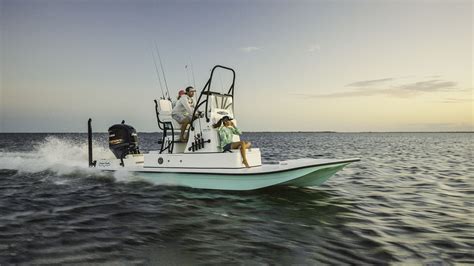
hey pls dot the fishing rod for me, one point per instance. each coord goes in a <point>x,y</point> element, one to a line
<point>187,74</point>
<point>192,71</point>
<point>162,70</point>
<point>158,75</point>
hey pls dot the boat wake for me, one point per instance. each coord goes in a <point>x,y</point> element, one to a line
<point>59,155</point>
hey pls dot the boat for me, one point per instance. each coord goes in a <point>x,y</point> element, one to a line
<point>199,162</point>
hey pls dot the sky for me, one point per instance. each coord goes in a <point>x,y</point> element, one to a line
<point>346,66</point>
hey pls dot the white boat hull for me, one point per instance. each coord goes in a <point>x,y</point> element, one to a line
<point>298,173</point>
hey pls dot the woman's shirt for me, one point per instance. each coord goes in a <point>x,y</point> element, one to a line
<point>226,134</point>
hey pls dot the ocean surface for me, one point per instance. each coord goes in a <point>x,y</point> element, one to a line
<point>410,201</point>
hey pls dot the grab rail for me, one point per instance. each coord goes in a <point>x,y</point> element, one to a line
<point>207,91</point>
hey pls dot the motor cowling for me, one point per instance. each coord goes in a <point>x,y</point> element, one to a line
<point>123,140</point>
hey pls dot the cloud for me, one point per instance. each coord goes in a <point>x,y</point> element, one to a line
<point>358,93</point>
<point>250,49</point>
<point>429,85</point>
<point>373,87</point>
<point>457,100</point>
<point>365,83</point>
<point>314,48</point>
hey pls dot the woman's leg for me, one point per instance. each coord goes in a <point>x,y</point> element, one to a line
<point>243,145</point>
<point>236,145</point>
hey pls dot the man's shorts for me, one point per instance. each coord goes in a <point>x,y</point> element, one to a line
<point>180,117</point>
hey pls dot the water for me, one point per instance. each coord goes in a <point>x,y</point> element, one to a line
<point>409,201</point>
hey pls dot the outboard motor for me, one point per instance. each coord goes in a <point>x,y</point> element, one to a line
<point>123,140</point>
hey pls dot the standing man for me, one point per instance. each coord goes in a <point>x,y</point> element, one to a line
<point>183,111</point>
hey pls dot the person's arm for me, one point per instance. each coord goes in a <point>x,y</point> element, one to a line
<point>235,130</point>
<point>222,136</point>
<point>177,107</point>
<point>186,105</point>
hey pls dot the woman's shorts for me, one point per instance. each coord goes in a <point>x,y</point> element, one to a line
<point>227,147</point>
<point>180,117</point>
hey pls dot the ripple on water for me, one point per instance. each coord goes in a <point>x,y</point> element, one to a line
<point>409,201</point>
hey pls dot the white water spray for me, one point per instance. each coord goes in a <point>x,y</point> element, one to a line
<point>59,155</point>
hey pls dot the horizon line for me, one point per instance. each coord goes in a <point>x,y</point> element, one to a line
<point>298,131</point>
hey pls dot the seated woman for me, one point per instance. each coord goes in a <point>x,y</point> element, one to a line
<point>226,131</point>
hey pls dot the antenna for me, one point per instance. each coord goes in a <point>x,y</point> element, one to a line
<point>162,70</point>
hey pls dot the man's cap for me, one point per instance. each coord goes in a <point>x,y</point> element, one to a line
<point>190,88</point>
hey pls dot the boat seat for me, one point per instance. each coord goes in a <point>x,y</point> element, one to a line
<point>165,107</point>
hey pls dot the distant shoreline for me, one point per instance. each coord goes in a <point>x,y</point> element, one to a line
<point>297,132</point>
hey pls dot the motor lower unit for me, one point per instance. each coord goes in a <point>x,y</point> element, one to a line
<point>123,140</point>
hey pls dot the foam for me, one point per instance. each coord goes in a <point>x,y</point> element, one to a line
<point>59,155</point>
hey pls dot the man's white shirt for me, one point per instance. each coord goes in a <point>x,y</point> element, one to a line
<point>184,106</point>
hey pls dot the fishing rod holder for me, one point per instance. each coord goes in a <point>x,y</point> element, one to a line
<point>198,144</point>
